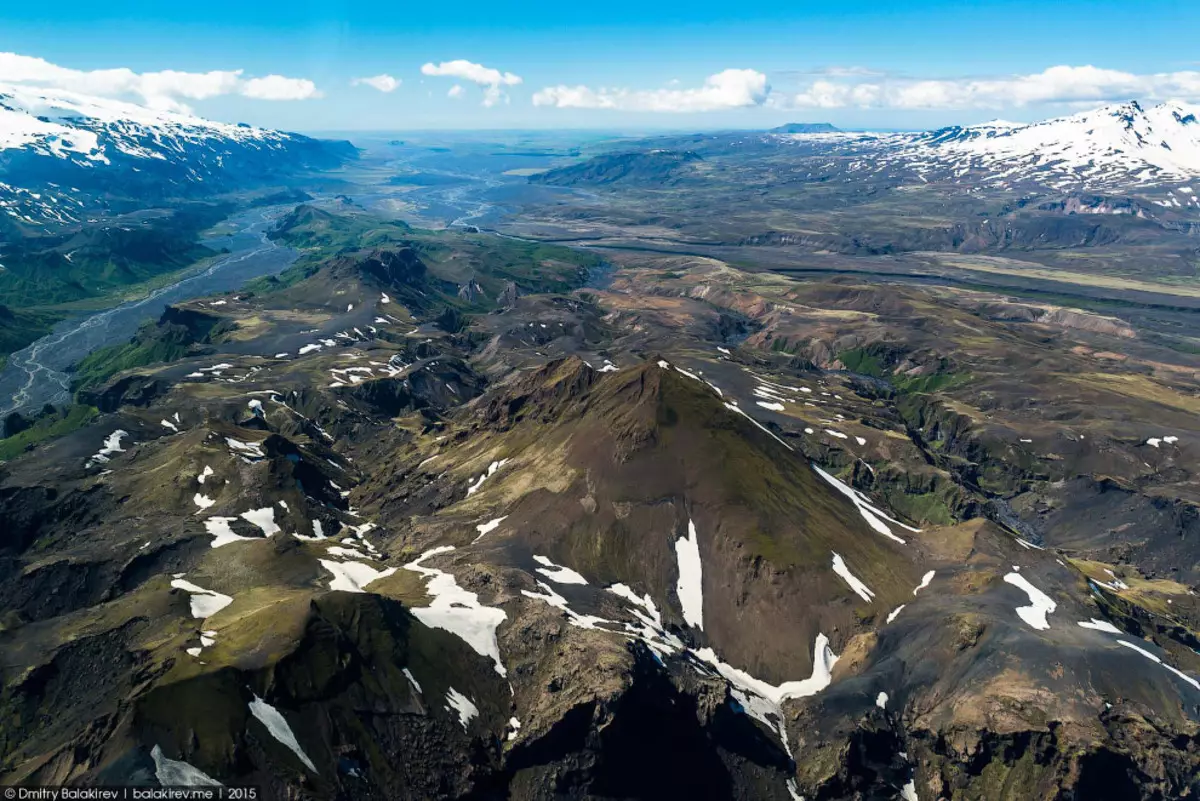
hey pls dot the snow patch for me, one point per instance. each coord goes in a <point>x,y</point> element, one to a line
<point>557,573</point>
<point>839,567</point>
<point>925,579</point>
<point>1040,604</point>
<point>253,450</point>
<point>205,603</point>
<point>263,518</point>
<point>869,513</point>
<point>458,611</point>
<point>733,407</point>
<point>352,576</point>
<point>1154,658</point>
<point>558,602</point>
<point>221,533</point>
<point>689,587</point>
<point>488,527</point>
<point>112,444</point>
<point>1100,625</point>
<point>278,727</point>
<point>650,629</point>
<point>492,468</point>
<point>175,773</point>
<point>462,705</point>
<point>822,675</point>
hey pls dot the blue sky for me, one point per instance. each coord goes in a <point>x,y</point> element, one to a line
<point>624,64</point>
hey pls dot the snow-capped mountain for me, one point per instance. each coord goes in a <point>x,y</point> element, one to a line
<point>1115,143</point>
<point>62,152</point>
<point>1116,146</point>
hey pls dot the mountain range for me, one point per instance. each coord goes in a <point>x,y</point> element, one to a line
<point>66,157</point>
<point>588,540</point>
<point>1122,145</point>
<point>750,465</point>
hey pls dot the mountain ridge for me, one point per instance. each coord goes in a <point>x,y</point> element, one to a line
<point>66,156</point>
<point>1121,145</point>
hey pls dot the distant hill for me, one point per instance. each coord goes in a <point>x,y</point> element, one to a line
<point>640,167</point>
<point>805,127</point>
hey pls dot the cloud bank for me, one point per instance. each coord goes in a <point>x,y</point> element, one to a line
<point>730,89</point>
<point>166,90</point>
<point>1063,85</point>
<point>864,88</point>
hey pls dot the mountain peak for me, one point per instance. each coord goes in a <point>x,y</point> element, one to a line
<point>1121,143</point>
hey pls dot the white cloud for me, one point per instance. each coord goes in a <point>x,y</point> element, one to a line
<point>827,94</point>
<point>490,79</point>
<point>164,90</point>
<point>456,91</point>
<point>469,71</point>
<point>493,95</point>
<point>384,83</point>
<point>277,87</point>
<point>729,89</point>
<point>1056,85</point>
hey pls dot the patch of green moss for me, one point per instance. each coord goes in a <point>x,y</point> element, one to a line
<point>45,428</point>
<point>288,278</point>
<point>926,507</point>
<point>874,361</point>
<point>20,327</point>
<point>933,382</point>
<point>1020,778</point>
<point>156,342</point>
<point>862,361</point>
<point>103,363</point>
